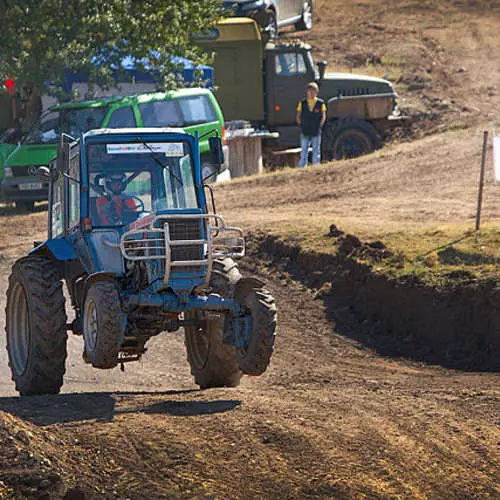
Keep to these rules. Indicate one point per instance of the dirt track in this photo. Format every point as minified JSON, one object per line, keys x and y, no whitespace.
{"x":331,"y":417}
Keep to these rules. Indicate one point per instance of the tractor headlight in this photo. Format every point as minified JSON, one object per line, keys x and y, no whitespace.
{"x":7,"y":171}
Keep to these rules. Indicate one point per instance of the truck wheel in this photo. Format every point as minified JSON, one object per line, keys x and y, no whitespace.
{"x":214,"y":364}
{"x":306,"y":21}
{"x":349,"y":138}
{"x":36,"y":326}
{"x":256,"y":357}
{"x":25,"y":206}
{"x":103,"y":325}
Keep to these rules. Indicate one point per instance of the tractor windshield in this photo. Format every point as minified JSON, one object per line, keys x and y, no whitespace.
{"x":72,"y":121}
{"x":131,"y":180}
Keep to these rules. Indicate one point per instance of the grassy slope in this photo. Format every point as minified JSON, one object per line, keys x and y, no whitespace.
{"x":415,"y":197}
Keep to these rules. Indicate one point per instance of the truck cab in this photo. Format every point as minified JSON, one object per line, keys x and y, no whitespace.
{"x":263,"y":83}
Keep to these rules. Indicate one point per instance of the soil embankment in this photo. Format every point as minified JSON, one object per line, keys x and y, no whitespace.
{"x":456,"y":325}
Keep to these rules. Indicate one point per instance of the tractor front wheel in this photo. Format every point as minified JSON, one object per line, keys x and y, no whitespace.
{"x":261,"y":308}
{"x":103,"y":325}
{"x":36,"y":326}
{"x":213,"y":364}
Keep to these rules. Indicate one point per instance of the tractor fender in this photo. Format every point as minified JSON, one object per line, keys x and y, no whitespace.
{"x":58,"y":249}
{"x":244,"y":285}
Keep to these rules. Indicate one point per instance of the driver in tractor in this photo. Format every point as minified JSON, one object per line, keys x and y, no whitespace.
{"x":113,"y":206}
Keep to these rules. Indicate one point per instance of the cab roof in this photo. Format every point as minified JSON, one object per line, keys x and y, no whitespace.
{"x":146,"y":97}
{"x":135,"y":131}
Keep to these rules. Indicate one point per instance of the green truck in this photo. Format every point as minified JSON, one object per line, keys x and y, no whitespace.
{"x":193,"y":110}
{"x":262,"y":83}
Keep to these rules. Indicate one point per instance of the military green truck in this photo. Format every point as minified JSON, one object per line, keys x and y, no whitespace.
{"x":262,"y":83}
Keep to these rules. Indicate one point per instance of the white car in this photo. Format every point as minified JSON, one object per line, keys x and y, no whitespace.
{"x":272,"y":14}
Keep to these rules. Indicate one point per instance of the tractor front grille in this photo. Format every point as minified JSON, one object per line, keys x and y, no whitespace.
{"x":186,"y":230}
{"x":181,"y":248}
{"x":157,"y":244}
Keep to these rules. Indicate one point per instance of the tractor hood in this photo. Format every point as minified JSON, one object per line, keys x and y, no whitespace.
{"x":36,"y":154}
{"x":348,"y":84}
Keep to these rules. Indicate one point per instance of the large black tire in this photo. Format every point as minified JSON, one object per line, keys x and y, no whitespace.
{"x":306,"y":21}
{"x":260,"y":304}
{"x":349,"y":138}
{"x":103,"y":325}
{"x":214,"y":364}
{"x":36,"y":326}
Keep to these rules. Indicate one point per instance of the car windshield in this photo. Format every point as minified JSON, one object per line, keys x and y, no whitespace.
{"x":72,"y":121}
{"x":131,"y":180}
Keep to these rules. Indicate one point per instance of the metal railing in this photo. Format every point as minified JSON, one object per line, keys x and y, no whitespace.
{"x":156,"y":241}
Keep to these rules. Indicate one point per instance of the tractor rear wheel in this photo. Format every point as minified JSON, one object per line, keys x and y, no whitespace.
{"x":260,"y":305}
{"x":103,"y":325}
{"x":349,"y":138}
{"x":214,"y":364}
{"x":36,"y":326}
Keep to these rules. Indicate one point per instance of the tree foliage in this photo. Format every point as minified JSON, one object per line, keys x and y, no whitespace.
{"x":41,"y":40}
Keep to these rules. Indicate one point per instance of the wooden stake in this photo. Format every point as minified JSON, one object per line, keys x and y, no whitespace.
{"x":481,"y":181}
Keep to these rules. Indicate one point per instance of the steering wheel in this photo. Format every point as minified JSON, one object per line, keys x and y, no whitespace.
{"x":139,"y":208}
{"x":127,"y":212}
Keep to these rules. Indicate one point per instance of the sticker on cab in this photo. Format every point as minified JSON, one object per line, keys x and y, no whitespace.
{"x":168,"y":148}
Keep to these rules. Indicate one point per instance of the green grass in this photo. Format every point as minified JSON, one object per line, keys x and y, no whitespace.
{"x":435,"y":255}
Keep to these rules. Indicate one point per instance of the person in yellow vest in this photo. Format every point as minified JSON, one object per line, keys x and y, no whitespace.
{"x":311,"y":116}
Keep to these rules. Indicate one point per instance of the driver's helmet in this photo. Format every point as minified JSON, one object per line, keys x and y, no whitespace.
{"x":115,"y":183}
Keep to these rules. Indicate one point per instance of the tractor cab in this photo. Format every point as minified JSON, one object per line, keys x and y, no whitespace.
{"x":132,"y":180}
{"x":135,"y":203}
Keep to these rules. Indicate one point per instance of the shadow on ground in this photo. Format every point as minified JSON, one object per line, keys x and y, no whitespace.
{"x":8,"y":210}
{"x":104,"y":406}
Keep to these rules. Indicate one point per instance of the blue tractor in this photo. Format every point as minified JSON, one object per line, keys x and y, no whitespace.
{"x":131,"y":234}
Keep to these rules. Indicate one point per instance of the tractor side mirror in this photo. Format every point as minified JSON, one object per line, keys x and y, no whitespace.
{"x":321,"y":69}
{"x":216,"y":152}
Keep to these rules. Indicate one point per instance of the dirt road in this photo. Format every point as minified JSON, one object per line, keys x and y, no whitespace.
{"x":331,"y":418}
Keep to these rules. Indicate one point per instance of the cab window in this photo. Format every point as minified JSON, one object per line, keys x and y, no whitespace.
{"x":161,"y":114}
{"x":181,"y":112}
{"x":130,"y":180}
{"x":290,"y":64}
{"x":197,"y":109}
{"x":56,"y":211}
{"x":122,"y":118}
{"x":74,"y":188}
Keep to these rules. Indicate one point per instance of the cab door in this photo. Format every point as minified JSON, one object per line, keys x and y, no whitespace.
{"x":287,"y":75}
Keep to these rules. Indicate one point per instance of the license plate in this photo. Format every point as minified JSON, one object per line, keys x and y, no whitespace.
{"x":30,"y":186}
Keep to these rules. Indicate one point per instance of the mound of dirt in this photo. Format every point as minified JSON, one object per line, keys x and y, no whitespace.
{"x":28,"y":461}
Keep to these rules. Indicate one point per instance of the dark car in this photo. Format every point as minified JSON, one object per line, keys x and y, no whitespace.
{"x":273,"y":14}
